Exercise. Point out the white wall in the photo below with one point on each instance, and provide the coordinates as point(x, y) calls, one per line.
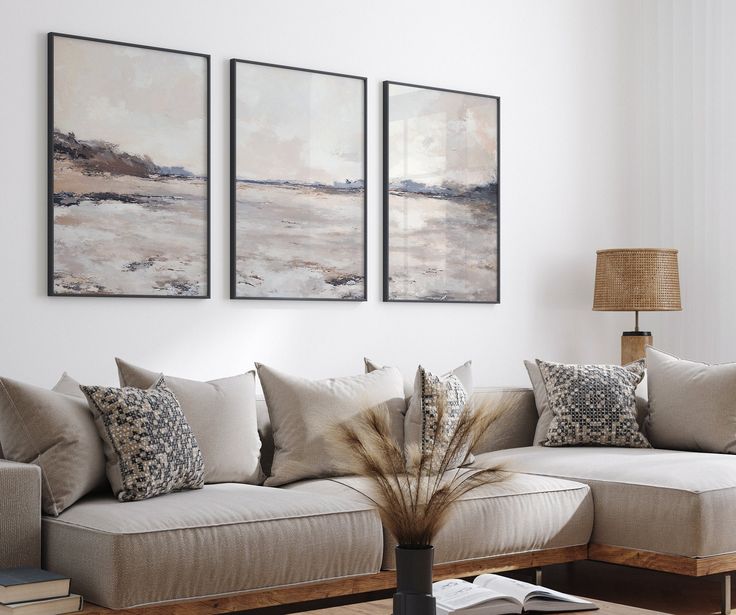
point(685, 174)
point(563, 71)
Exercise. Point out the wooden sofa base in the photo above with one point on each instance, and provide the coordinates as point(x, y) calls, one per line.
point(353, 585)
point(677, 564)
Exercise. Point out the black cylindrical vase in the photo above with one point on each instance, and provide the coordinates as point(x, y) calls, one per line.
point(414, 581)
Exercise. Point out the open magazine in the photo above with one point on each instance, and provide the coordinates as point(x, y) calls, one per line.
point(491, 594)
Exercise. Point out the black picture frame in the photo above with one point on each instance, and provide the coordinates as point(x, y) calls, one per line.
point(51, 291)
point(386, 196)
point(234, 62)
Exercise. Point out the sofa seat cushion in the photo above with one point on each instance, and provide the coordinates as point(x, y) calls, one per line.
point(672, 502)
point(221, 539)
point(522, 513)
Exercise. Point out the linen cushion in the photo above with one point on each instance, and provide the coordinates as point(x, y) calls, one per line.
point(512, 429)
point(371, 366)
point(515, 426)
point(593, 404)
point(266, 434)
point(656, 500)
point(464, 372)
point(68, 386)
point(218, 540)
point(149, 446)
point(223, 417)
point(304, 414)
point(54, 431)
point(692, 405)
point(545, 412)
point(528, 513)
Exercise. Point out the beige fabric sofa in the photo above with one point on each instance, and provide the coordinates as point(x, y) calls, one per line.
point(668, 502)
point(231, 538)
point(247, 546)
point(523, 513)
point(225, 538)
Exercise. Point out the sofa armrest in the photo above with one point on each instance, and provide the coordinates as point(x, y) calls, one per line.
point(20, 514)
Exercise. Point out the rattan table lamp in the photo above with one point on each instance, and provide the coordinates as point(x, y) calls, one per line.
point(636, 280)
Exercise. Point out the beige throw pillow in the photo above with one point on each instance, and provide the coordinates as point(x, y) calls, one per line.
point(371, 366)
point(304, 414)
point(692, 406)
point(464, 372)
point(55, 431)
point(68, 386)
point(222, 415)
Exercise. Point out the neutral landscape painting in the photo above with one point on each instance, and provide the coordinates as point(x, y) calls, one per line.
point(442, 203)
point(299, 184)
point(130, 199)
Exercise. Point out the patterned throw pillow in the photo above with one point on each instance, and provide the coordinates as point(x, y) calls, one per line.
point(429, 388)
point(593, 404)
point(149, 446)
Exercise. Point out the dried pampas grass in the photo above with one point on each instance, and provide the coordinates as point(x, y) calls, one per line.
point(415, 489)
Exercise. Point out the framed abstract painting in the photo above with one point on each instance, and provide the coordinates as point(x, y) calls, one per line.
point(440, 195)
point(128, 170)
point(298, 183)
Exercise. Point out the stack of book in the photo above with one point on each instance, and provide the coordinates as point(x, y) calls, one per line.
point(32, 591)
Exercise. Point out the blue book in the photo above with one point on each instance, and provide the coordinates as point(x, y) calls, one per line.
point(27, 584)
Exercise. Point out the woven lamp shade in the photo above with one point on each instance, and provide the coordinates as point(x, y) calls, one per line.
point(639, 279)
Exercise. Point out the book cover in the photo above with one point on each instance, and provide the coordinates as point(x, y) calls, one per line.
point(53, 606)
point(26, 584)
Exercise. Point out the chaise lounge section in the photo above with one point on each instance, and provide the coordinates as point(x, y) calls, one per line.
point(659, 509)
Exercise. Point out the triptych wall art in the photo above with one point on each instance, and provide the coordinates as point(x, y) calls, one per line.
point(440, 195)
point(128, 170)
point(298, 199)
point(129, 173)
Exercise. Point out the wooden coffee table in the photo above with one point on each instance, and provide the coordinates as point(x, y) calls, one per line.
point(383, 607)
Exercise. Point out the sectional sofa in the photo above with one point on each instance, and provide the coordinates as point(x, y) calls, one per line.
point(231, 547)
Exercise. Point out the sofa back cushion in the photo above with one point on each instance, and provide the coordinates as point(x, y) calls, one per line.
point(513, 429)
point(56, 432)
point(66, 385)
point(692, 406)
point(266, 435)
point(222, 415)
point(371, 366)
point(515, 426)
point(304, 414)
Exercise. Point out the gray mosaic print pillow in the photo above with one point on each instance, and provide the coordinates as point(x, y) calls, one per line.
point(149, 446)
point(432, 388)
point(593, 404)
